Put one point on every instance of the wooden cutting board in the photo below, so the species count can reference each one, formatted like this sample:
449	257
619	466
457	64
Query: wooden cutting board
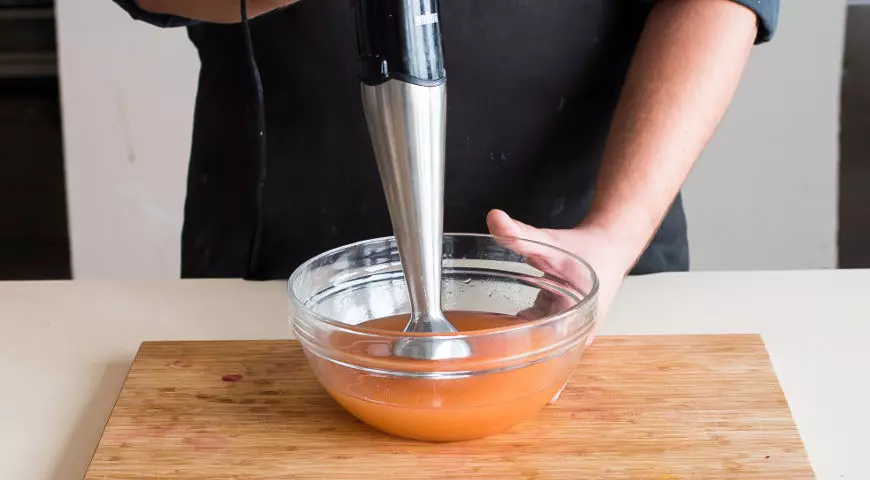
652	407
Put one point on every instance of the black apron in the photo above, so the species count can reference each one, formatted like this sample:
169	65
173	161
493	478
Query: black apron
532	86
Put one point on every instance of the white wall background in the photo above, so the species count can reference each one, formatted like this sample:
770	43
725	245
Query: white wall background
764	195
128	94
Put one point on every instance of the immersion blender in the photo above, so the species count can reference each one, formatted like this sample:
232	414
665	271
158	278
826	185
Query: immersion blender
404	95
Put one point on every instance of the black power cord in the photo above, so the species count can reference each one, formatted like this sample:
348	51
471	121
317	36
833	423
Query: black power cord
254	255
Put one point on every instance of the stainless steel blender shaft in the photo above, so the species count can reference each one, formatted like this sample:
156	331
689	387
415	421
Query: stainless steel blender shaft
406	123
404	97
407	127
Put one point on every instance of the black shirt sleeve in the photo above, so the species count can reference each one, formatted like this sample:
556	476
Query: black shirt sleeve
163	21
767	12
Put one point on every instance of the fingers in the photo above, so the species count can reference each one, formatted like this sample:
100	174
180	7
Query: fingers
506	231
501	224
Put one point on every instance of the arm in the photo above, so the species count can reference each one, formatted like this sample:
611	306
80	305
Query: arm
684	72
682	77
215	11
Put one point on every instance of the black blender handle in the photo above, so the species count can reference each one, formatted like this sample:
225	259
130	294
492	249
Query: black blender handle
399	39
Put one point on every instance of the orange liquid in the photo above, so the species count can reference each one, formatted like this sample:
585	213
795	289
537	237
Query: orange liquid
446	409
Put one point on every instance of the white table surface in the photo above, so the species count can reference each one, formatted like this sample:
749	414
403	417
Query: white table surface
65	348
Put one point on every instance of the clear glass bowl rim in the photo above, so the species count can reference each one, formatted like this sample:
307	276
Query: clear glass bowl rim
297	303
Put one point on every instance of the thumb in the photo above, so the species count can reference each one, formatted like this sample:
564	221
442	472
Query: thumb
502	225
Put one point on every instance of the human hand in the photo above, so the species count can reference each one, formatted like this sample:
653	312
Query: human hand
593	244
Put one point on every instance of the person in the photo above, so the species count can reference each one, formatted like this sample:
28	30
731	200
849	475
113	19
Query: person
580	118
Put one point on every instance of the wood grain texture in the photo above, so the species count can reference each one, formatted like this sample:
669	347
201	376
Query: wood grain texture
655	407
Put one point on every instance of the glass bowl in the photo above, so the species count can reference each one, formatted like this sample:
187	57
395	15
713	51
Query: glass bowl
544	301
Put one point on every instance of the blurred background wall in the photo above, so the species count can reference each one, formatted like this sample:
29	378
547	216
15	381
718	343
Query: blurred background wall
764	195
128	93
34	239
854	232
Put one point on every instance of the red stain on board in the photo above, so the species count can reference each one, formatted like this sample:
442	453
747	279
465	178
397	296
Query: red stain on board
231	377
138	435
209	442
